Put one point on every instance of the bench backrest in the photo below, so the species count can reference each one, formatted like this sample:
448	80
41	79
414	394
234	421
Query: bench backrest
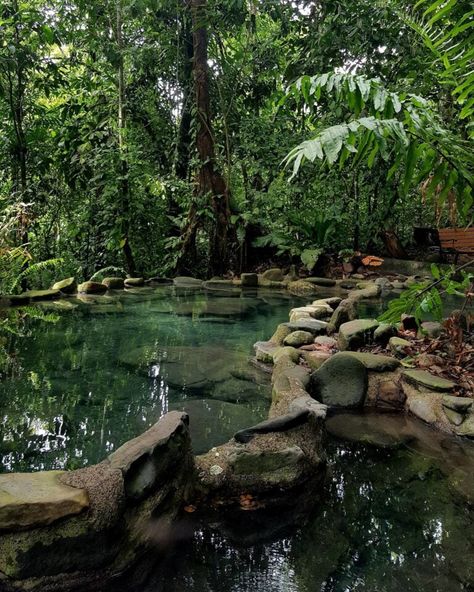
460	239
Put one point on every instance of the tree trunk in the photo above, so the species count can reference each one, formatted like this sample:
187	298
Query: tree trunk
124	169
210	182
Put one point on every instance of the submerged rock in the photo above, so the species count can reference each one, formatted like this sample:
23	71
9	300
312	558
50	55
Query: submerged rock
67	286
340	382
187	282
381	430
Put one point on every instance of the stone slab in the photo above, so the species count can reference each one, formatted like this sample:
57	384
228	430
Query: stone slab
28	500
427	380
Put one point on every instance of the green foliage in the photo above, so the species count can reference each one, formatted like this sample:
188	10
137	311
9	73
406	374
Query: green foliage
404	129
424	300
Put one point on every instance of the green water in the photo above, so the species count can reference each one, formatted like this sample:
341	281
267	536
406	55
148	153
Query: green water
111	366
394	516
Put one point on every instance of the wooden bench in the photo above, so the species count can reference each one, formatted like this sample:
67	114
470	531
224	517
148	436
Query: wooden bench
456	241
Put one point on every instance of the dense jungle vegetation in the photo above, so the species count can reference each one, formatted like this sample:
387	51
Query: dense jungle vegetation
159	136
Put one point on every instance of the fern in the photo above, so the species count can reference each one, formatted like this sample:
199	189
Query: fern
34	268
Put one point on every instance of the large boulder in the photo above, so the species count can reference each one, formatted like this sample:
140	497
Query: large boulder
67	286
357	333
34	499
340	382
92	288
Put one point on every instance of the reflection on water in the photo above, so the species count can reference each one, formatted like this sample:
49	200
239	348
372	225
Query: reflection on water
113	365
392	519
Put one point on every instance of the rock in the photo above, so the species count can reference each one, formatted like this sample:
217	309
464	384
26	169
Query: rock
430	328
383	282
302	288
315	359
282	423
376	362
333	302
41	294
427	380
357	333
298	338
459	404
159	280
464	318
397	285
427	360
454	417
423	408
345	312
134	282
340	382
390	395
144	460
92	288
314	312
316	327
28	500
272	466
318	281
67	286
383	333
398	345
113	283
187	282
326	341
306	402
274	275
348	284
467	427
286	353
280	333
292	275
264	351
249	280
409	322
368	291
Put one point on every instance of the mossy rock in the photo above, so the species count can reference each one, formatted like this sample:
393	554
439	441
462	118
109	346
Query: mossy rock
319	281
67	286
357	333
375	362
113	283
134	282
302	288
425	379
187	282
298	338
92	288
340	382
274	275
